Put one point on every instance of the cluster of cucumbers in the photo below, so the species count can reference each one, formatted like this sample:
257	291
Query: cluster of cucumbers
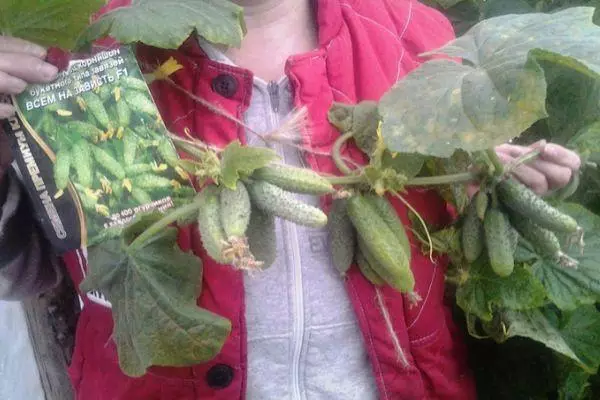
237	226
365	228
496	218
109	144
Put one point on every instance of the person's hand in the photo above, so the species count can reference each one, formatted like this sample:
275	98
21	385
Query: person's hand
552	170
21	62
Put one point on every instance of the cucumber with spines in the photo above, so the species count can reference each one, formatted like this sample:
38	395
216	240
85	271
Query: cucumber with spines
276	201
527	204
498	242
342	236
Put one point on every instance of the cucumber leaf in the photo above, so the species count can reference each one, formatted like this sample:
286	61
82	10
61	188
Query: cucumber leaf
167	24
153	289
581	330
569	288
497	93
238	161
484	291
535	325
575	335
50	23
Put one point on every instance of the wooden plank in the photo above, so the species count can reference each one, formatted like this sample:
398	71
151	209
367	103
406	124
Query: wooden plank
51	320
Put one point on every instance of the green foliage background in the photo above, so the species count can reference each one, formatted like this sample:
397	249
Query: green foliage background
520	368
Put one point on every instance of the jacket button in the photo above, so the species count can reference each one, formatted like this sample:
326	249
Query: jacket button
219	376
225	85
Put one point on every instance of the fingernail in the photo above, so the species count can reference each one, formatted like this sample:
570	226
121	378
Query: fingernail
48	71
539	143
551	150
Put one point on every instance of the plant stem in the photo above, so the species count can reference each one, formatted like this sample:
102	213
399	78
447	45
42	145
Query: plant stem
346	180
498	166
337	155
164	222
525	158
461	177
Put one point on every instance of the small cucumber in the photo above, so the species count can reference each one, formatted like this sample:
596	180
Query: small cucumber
123	113
106	161
235	210
167	152
130	82
140	102
543	241
342	236
392	263
81	156
367	270
82	129
482	202
293	179
498	242
274	200
151	181
62	167
390	216
472	234
211	231
525	202
94	106
130	145
261	235
141	196
136	169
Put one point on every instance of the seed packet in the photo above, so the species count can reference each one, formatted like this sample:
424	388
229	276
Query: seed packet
92	150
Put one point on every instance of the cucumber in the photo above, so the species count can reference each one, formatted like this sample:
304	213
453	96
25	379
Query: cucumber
212	234
235	210
390	216
293	179
498	242
543	241
94	106
342	236
262	239
276	201
472	234
368	271
151	181
130	145
526	203
140	102
62	167
391	261
108	162
481	203
81	156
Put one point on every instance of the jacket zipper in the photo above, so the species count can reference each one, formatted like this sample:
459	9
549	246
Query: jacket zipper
292	238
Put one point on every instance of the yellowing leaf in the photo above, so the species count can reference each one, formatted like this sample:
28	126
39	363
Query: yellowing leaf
498	91
153	289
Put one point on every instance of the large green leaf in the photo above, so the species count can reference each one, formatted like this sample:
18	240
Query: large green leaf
575	335
573	100
533	324
153	290
569	288
167	24
497	93
55	23
581	331
484	291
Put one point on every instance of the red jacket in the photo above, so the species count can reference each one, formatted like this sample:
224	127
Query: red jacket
365	46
